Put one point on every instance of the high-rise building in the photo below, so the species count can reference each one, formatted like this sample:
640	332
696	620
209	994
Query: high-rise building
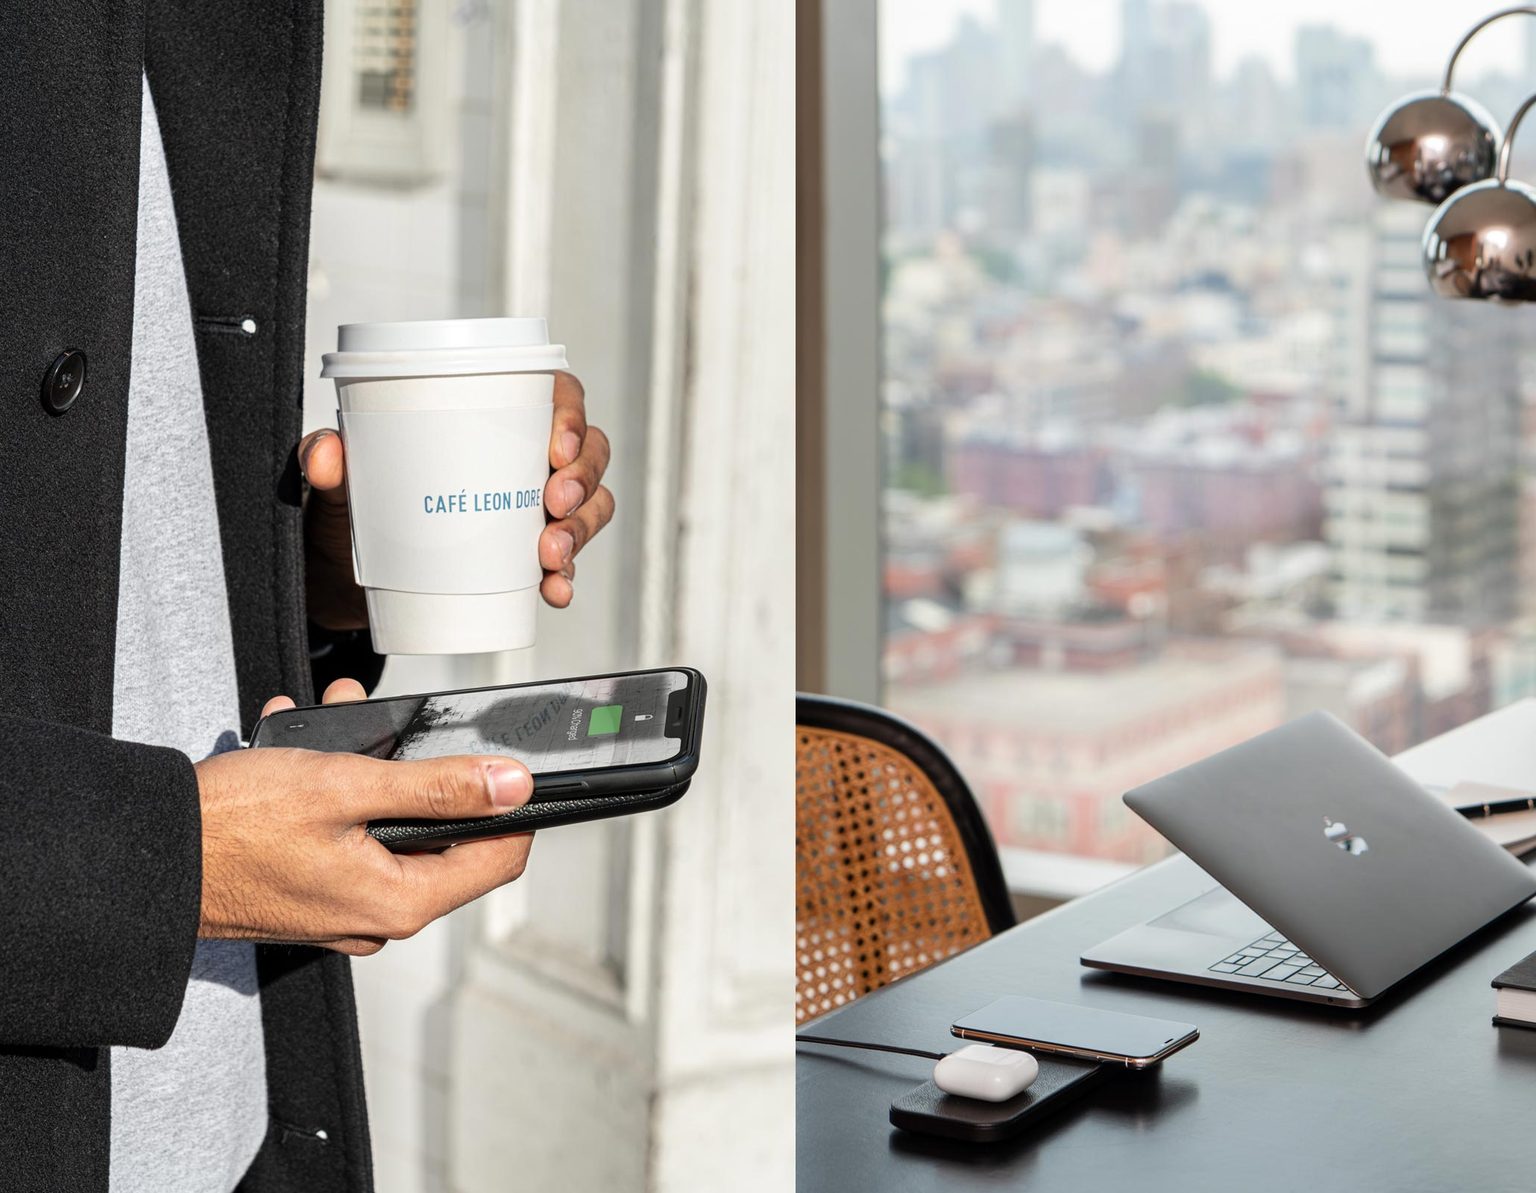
1334	73
1016	46
1183	61
1421	503
1165	60
1011	163
1135	51
1150	193
1011	139
1253	112
936	133
918	179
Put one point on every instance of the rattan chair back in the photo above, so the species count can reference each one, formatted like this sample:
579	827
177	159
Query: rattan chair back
895	867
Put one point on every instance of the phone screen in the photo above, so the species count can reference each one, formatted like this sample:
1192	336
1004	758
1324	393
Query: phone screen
1076	1029
583	724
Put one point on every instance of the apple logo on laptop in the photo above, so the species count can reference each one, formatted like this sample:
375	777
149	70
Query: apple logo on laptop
1338	832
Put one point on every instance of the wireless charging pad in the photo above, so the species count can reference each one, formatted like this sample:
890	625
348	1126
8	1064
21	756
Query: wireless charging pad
928	1110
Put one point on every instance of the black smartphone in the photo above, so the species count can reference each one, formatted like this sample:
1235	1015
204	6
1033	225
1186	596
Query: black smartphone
598	745
1082	1032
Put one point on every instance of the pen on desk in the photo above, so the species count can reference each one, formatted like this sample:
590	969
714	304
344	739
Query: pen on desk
1495	807
1480	809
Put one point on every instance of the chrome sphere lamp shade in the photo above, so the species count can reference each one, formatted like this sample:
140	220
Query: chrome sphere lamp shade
1481	242
1429	145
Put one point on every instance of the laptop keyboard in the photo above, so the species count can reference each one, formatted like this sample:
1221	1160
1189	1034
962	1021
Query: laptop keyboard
1276	959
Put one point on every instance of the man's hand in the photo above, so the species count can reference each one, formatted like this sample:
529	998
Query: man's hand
286	857
574	499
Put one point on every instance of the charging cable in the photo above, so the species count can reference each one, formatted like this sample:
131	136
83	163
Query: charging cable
834	1043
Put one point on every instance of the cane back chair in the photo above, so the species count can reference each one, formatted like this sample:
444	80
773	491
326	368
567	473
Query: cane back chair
895	867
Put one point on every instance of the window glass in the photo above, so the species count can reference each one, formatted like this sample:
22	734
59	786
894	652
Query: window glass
1176	443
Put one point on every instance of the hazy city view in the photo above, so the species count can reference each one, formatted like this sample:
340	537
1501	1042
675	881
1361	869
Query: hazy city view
1177	444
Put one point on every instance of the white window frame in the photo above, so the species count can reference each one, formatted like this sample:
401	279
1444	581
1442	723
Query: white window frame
850	225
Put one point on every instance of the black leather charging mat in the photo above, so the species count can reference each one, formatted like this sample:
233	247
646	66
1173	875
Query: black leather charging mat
928	1110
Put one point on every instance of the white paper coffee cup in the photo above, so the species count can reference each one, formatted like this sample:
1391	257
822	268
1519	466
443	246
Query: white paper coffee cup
446	426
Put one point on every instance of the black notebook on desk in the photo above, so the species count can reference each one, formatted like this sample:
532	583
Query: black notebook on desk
1516	1001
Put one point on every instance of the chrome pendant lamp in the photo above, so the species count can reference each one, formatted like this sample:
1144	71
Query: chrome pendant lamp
1481	242
1429	145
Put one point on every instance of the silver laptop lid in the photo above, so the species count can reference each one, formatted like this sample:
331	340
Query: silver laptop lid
1318	832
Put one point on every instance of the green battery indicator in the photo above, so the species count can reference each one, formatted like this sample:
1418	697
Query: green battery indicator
605	719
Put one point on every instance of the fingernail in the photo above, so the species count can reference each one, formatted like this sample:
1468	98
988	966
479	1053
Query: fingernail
309	450
510	785
572	493
570	445
567	544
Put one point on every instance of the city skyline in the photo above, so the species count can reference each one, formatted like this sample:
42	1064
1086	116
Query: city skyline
1090	30
1178	443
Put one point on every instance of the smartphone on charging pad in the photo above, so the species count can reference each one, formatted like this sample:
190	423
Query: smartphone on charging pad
1083	1033
597	746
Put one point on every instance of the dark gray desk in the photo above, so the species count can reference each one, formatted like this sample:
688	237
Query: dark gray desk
1418	1093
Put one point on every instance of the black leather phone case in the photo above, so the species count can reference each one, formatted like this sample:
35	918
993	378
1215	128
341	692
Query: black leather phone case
417	836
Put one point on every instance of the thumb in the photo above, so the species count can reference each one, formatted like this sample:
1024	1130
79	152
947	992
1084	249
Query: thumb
323	462
442	788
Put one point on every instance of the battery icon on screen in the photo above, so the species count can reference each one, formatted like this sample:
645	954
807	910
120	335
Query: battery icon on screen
605	719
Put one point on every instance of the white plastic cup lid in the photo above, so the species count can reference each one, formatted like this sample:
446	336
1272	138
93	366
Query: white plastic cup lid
439	347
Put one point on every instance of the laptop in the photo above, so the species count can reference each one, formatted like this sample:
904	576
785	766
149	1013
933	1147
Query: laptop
1338	874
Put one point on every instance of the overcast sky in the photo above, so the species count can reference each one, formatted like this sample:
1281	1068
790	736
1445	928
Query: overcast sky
1410	37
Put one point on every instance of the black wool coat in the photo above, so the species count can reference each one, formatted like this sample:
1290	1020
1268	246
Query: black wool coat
100	841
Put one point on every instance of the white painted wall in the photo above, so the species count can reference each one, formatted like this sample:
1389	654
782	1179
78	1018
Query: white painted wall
623	166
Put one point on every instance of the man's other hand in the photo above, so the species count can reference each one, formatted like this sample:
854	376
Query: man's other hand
576	501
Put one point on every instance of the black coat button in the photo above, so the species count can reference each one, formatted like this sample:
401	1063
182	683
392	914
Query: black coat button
63	381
